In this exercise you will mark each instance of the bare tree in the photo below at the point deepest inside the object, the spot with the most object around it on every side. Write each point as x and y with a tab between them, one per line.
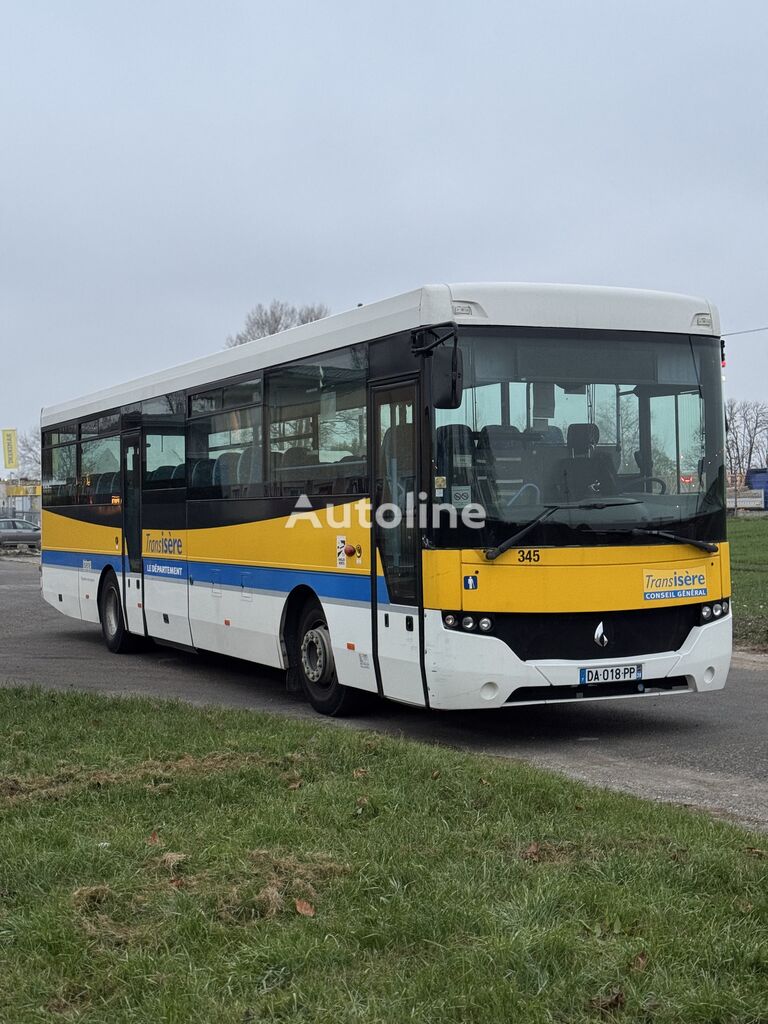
747	442
29	453
263	320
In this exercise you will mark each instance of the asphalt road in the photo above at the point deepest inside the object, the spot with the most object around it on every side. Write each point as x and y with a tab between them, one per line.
708	750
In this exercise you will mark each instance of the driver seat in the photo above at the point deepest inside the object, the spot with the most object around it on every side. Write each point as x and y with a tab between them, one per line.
586	472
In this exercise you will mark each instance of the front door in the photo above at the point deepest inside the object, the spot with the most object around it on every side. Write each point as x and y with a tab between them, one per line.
133	577
397	619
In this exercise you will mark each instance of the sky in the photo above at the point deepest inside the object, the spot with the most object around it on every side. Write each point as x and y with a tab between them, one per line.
166	165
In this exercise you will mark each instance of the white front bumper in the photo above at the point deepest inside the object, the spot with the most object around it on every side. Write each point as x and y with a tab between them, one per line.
469	670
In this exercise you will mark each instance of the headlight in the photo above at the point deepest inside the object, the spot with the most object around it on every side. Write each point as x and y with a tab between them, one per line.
467	622
706	613
485	624
450	620
725	607
717	610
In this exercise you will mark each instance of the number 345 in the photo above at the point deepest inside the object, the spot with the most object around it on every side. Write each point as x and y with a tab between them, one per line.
528	555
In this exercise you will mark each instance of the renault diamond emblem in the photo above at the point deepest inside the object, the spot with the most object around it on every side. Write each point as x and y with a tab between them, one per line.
600	638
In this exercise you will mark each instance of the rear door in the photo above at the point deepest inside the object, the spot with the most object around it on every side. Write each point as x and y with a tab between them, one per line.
133	575
396	605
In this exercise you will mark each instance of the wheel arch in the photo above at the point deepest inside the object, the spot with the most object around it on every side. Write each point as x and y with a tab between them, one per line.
296	601
106	572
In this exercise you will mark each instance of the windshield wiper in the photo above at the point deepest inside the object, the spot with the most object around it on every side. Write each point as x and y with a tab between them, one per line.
510	542
703	545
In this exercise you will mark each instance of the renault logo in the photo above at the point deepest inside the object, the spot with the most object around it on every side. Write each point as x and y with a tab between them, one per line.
600	638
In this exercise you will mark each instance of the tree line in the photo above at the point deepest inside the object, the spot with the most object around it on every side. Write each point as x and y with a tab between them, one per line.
746	441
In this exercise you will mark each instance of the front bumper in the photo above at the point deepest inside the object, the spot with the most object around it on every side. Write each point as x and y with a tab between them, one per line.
468	670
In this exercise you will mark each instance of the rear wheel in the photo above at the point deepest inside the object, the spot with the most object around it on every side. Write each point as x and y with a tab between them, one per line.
116	636
316	668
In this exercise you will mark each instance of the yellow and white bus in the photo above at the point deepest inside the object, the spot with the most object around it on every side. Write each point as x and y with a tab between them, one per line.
467	496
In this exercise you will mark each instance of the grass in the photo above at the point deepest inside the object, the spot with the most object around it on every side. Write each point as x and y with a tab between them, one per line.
748	537
166	863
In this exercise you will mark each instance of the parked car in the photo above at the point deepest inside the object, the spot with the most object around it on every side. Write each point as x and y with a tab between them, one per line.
19	533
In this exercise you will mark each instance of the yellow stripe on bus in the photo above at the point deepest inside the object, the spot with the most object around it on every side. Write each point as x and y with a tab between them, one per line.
64	533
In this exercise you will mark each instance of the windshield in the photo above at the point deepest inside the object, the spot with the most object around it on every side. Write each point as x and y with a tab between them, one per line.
625	429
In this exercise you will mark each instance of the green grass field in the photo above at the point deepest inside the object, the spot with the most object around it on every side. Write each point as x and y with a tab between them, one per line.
165	863
749	570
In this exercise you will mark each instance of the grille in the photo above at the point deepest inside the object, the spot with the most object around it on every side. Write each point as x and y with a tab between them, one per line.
571	636
525	693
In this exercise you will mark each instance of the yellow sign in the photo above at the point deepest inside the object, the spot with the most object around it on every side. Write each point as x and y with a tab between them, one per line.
10	449
23	490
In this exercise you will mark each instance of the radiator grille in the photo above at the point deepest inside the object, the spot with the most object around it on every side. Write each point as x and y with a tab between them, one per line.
571	636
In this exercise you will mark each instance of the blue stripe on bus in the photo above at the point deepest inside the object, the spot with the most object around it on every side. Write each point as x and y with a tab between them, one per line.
165	568
339	585
81	560
344	586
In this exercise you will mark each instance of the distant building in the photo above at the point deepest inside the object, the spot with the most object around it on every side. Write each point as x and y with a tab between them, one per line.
20	498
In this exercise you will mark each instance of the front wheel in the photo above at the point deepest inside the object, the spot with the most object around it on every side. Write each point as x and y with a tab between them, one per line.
116	636
313	656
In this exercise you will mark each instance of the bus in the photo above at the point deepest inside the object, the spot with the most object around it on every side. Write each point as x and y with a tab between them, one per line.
467	496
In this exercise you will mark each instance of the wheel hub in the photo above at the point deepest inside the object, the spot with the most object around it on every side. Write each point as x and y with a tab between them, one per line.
316	657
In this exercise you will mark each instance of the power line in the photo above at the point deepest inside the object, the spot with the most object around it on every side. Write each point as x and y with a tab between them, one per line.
753	330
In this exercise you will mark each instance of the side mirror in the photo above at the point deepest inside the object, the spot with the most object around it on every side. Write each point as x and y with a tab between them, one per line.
447	376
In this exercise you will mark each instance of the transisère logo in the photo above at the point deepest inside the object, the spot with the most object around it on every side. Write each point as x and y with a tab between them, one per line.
672	583
165	546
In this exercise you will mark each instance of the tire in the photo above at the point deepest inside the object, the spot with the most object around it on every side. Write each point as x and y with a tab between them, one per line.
313	658
116	636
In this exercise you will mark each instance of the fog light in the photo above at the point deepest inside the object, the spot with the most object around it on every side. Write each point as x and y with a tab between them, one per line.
706	613
485	624
450	621
467	622
717	610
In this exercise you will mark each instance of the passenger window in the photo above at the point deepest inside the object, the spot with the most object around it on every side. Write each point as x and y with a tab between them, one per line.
165	461
317	425
99	471
225	455
164	443
60	475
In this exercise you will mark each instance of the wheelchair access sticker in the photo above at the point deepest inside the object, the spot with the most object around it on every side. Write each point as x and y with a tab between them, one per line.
471	582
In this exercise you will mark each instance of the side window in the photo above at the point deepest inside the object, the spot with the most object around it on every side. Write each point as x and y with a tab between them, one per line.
317	425
99	471
60	475
664	440
677	440
606	397
163	420
224	455
165	458
629	432
690	419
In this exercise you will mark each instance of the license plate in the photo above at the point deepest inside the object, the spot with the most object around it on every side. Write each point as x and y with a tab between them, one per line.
610	674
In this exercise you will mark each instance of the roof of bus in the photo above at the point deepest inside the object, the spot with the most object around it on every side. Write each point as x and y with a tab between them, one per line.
508	304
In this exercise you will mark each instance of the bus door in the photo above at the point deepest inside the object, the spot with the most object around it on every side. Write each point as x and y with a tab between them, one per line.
133	576
396	589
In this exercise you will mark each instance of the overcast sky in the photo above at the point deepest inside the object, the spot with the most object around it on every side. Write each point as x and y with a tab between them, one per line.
166	165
